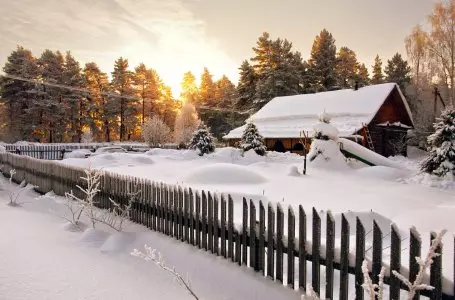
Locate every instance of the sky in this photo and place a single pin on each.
(175, 36)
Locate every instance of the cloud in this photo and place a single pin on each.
(165, 35)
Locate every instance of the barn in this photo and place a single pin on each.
(376, 116)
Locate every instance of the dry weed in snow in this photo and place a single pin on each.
(157, 258)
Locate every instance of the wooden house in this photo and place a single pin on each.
(376, 116)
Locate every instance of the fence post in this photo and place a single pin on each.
(204, 221)
(316, 253)
(279, 243)
(252, 236)
(245, 233)
(436, 272)
(270, 241)
(175, 214)
(223, 227)
(302, 248)
(359, 257)
(210, 222)
(230, 228)
(415, 248)
(191, 216)
(377, 252)
(181, 229)
(291, 248)
(186, 217)
(198, 220)
(344, 259)
(261, 237)
(330, 254)
(216, 225)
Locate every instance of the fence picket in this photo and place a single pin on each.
(210, 223)
(316, 255)
(395, 262)
(186, 216)
(279, 243)
(261, 260)
(223, 227)
(230, 228)
(359, 257)
(181, 214)
(191, 216)
(238, 248)
(344, 259)
(302, 248)
(291, 248)
(252, 236)
(329, 255)
(198, 220)
(436, 272)
(204, 221)
(377, 252)
(270, 241)
(245, 233)
(216, 225)
(175, 214)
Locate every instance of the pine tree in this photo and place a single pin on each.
(225, 93)
(189, 89)
(146, 85)
(441, 158)
(202, 140)
(122, 84)
(378, 76)
(278, 69)
(246, 88)
(207, 89)
(100, 111)
(323, 61)
(252, 140)
(347, 67)
(51, 108)
(398, 71)
(72, 76)
(362, 76)
(19, 97)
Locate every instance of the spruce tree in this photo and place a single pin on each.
(441, 158)
(147, 89)
(398, 71)
(252, 140)
(202, 140)
(246, 88)
(207, 89)
(323, 61)
(347, 67)
(378, 76)
(225, 92)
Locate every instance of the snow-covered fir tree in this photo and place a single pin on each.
(441, 158)
(202, 140)
(251, 139)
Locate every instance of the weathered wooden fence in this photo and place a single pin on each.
(206, 221)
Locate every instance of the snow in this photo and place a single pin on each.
(327, 154)
(366, 154)
(326, 129)
(2, 149)
(223, 173)
(396, 124)
(286, 117)
(79, 153)
(42, 260)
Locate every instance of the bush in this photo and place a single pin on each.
(155, 132)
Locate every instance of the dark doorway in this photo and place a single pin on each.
(279, 146)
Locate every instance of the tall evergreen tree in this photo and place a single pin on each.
(362, 76)
(378, 76)
(278, 69)
(207, 89)
(441, 157)
(347, 67)
(398, 71)
(246, 88)
(18, 97)
(189, 89)
(100, 110)
(323, 61)
(225, 92)
(146, 85)
(252, 140)
(51, 108)
(122, 84)
(76, 100)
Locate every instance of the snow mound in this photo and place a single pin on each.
(226, 154)
(382, 172)
(327, 154)
(173, 154)
(68, 226)
(222, 173)
(118, 242)
(429, 180)
(79, 153)
(110, 160)
(294, 171)
(2, 149)
(93, 237)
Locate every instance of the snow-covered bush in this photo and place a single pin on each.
(202, 140)
(157, 258)
(2, 149)
(12, 195)
(155, 132)
(186, 123)
(116, 216)
(324, 150)
(252, 140)
(441, 158)
(87, 136)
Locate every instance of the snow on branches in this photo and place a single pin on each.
(155, 132)
(202, 140)
(252, 140)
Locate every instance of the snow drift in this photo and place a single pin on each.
(222, 173)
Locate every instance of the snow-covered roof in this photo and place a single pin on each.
(286, 117)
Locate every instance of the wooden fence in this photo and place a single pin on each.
(206, 221)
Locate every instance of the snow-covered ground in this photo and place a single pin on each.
(40, 259)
